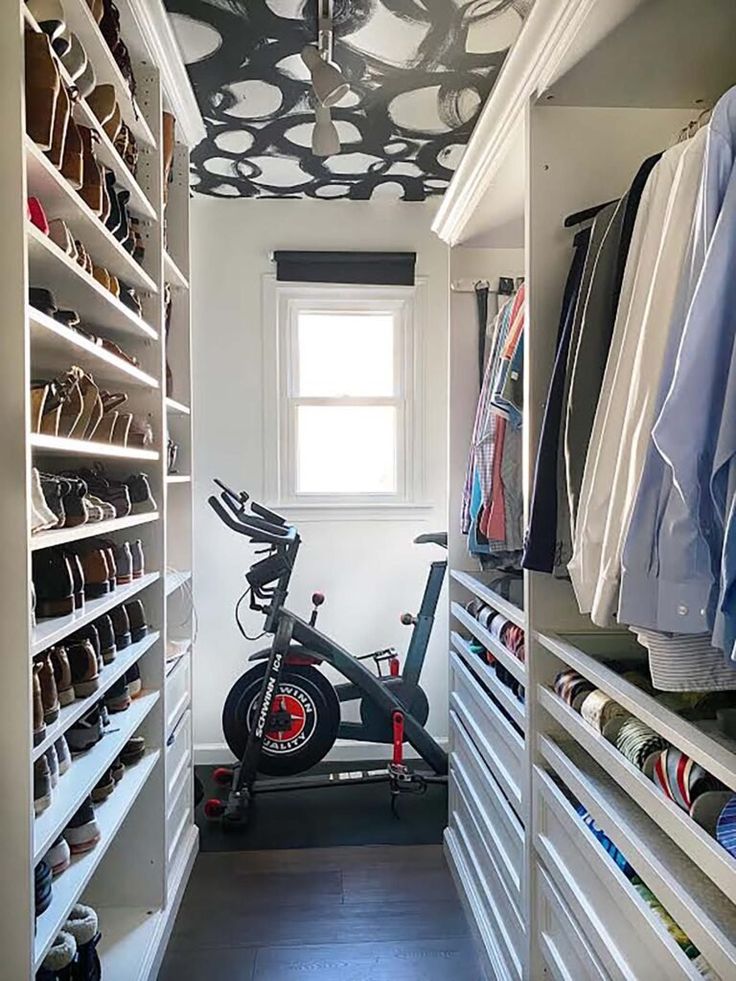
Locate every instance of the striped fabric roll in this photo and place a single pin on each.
(726, 827)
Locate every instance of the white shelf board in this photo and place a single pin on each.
(128, 934)
(51, 268)
(716, 754)
(171, 660)
(60, 536)
(79, 19)
(85, 770)
(85, 447)
(485, 673)
(60, 200)
(46, 633)
(690, 897)
(68, 887)
(490, 596)
(69, 714)
(175, 579)
(511, 663)
(173, 274)
(177, 408)
(704, 850)
(178, 478)
(53, 344)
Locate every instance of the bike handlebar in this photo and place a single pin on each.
(258, 529)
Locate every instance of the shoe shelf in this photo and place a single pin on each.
(75, 288)
(173, 275)
(68, 887)
(60, 200)
(177, 408)
(81, 22)
(705, 851)
(695, 903)
(489, 596)
(512, 664)
(178, 478)
(487, 676)
(91, 529)
(69, 714)
(46, 633)
(53, 345)
(83, 447)
(173, 657)
(175, 579)
(85, 770)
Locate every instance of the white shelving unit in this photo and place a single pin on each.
(589, 91)
(136, 874)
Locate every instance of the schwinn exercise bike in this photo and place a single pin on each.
(283, 716)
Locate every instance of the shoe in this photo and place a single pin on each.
(43, 517)
(58, 964)
(96, 572)
(121, 626)
(133, 751)
(141, 498)
(140, 433)
(117, 770)
(75, 59)
(115, 492)
(87, 81)
(58, 857)
(53, 762)
(123, 563)
(39, 726)
(91, 189)
(97, 509)
(129, 297)
(168, 126)
(43, 300)
(139, 560)
(133, 681)
(117, 697)
(85, 733)
(49, 15)
(114, 219)
(77, 579)
(84, 927)
(52, 493)
(42, 876)
(41, 785)
(37, 215)
(72, 162)
(63, 755)
(49, 694)
(60, 235)
(52, 580)
(62, 115)
(84, 668)
(123, 230)
(62, 674)
(103, 788)
(42, 87)
(90, 633)
(82, 833)
(106, 634)
(103, 104)
(137, 619)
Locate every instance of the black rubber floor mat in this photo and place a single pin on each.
(326, 818)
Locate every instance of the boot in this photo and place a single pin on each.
(168, 125)
(61, 124)
(72, 163)
(42, 89)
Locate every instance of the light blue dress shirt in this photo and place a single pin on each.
(672, 555)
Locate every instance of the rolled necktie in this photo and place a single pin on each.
(563, 680)
(636, 741)
(726, 827)
(572, 687)
(679, 777)
(598, 708)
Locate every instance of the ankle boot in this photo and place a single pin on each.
(42, 89)
(114, 218)
(61, 123)
(123, 230)
(168, 126)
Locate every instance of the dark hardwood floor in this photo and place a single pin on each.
(370, 913)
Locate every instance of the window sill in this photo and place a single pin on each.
(354, 512)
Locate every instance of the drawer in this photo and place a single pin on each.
(626, 935)
(178, 691)
(178, 755)
(566, 952)
(497, 741)
(180, 818)
(494, 813)
(504, 925)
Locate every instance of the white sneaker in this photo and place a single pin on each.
(42, 517)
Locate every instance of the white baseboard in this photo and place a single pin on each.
(214, 754)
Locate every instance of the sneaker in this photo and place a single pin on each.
(85, 671)
(92, 509)
(141, 498)
(104, 787)
(53, 762)
(133, 751)
(41, 785)
(121, 626)
(58, 856)
(42, 516)
(82, 833)
(117, 697)
(62, 675)
(133, 680)
(106, 635)
(42, 887)
(49, 693)
(106, 509)
(83, 925)
(63, 755)
(85, 732)
(137, 619)
(139, 560)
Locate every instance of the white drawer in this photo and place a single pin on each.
(566, 952)
(497, 741)
(179, 756)
(494, 813)
(180, 817)
(178, 691)
(503, 923)
(627, 936)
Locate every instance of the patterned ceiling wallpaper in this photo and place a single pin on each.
(419, 71)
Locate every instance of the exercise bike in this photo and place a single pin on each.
(283, 715)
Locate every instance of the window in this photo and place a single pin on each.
(345, 362)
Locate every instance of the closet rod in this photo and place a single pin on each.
(580, 216)
(506, 287)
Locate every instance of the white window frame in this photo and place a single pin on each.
(282, 304)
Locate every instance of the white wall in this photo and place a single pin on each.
(369, 570)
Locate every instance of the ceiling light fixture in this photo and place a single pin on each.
(328, 82)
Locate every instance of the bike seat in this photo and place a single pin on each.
(432, 538)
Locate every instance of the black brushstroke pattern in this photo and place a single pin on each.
(254, 40)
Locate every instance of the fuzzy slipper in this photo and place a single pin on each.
(62, 953)
(82, 924)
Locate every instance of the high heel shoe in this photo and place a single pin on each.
(42, 86)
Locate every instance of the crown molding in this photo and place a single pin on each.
(541, 48)
(154, 25)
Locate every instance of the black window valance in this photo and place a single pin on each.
(365, 268)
